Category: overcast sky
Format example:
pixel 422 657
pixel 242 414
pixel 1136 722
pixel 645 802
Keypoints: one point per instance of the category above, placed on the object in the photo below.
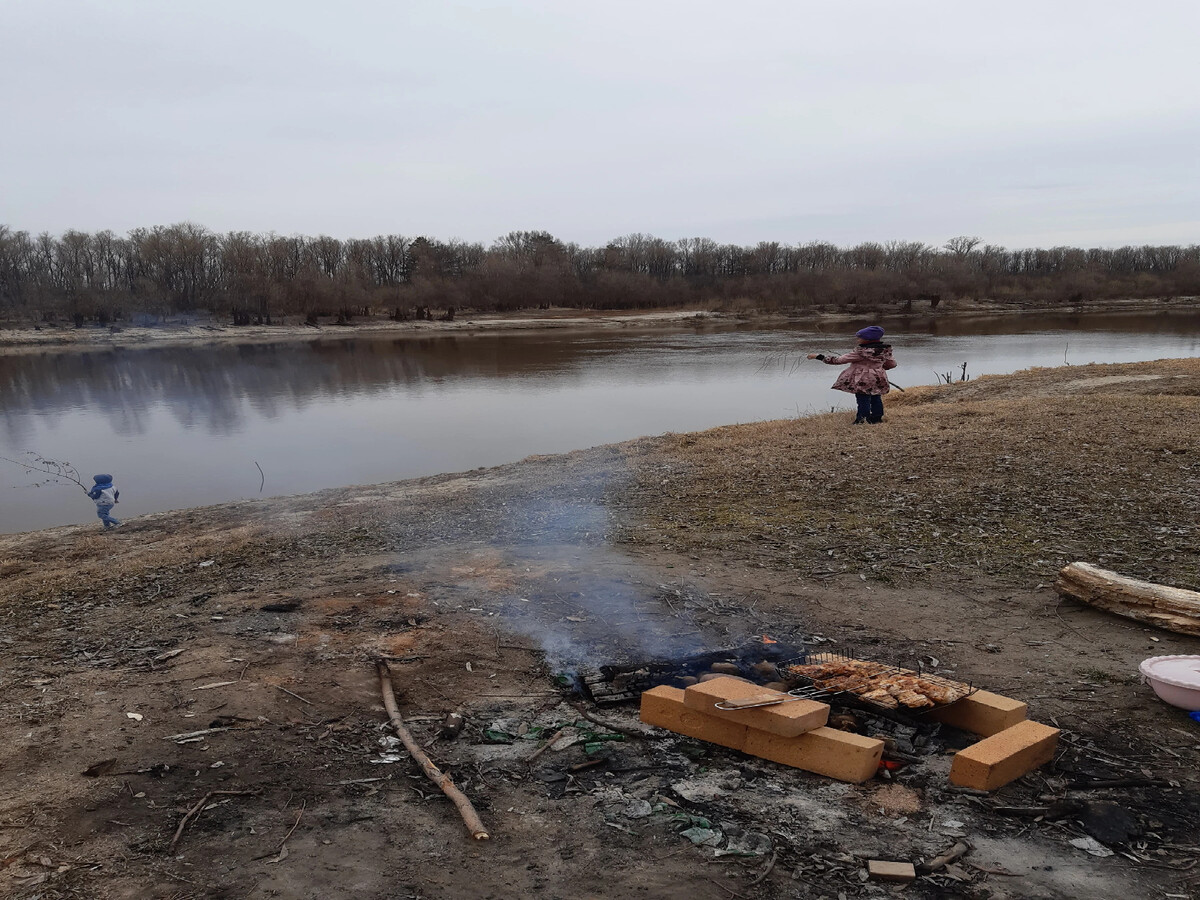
pixel 1028 124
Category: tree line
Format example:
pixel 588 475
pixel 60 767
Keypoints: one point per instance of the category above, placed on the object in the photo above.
pixel 152 273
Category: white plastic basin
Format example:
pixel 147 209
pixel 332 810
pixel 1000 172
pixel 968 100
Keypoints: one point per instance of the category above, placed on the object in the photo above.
pixel 1176 679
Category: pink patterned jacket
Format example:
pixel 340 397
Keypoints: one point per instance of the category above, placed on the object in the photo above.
pixel 867 366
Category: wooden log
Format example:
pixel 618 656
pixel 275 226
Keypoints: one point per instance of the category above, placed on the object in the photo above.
pixel 469 816
pixel 1174 609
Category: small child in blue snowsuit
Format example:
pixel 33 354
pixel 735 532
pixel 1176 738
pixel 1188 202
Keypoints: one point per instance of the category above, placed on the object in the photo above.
pixel 106 496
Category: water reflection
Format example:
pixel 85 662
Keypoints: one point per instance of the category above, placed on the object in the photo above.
pixel 185 426
pixel 218 387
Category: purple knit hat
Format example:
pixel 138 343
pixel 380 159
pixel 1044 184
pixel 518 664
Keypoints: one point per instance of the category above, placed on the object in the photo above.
pixel 870 333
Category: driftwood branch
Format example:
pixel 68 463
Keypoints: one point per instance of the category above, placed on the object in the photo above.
pixel 1174 609
pixel 469 816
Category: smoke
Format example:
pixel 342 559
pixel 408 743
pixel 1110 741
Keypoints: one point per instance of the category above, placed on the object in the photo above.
pixel 587 603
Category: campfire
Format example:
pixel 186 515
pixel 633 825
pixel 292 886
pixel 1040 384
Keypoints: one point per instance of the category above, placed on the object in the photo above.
pixel 843 680
pixel 829 712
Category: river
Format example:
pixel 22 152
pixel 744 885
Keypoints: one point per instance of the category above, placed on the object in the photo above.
pixel 191 426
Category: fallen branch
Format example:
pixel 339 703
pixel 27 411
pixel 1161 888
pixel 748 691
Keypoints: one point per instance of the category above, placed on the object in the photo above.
pixel 469 816
pixel 954 854
pixel 596 720
pixel 590 764
pixel 195 811
pixel 187 735
pixel 542 749
pixel 987 871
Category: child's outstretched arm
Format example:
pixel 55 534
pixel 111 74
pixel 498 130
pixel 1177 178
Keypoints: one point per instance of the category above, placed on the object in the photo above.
pixel 832 360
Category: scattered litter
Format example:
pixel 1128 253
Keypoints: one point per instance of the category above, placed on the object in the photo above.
pixel 637 809
pixel 137 717
pixel 386 759
pixel 703 837
pixel 740 842
pixel 215 684
pixel 1092 846
pixel 206 563
pixel 392 751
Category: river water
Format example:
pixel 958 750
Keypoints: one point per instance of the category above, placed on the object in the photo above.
pixel 183 427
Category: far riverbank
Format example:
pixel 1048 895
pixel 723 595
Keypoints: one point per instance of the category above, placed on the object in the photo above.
pixel 201 329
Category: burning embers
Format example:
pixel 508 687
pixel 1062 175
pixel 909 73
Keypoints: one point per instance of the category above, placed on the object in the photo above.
pixel 619 684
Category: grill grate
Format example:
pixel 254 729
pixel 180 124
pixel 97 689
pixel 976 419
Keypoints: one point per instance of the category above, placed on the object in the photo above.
pixel 850 688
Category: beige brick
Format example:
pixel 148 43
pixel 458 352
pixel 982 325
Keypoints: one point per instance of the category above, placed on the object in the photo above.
pixel 886 870
pixel 787 719
pixel 663 706
pixel 982 713
pixel 825 751
pixel 713 676
pixel 1005 756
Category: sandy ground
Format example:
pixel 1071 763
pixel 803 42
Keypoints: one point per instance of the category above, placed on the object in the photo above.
pixel 933 536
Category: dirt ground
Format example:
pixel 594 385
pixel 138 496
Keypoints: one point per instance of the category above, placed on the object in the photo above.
pixel 934 536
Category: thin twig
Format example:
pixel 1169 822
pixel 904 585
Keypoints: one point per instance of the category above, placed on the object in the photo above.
pixel 294 825
pixel 546 746
pixel 767 871
pixel 297 696
pixel 195 811
pixel 264 477
pixel 592 717
pixel 53 469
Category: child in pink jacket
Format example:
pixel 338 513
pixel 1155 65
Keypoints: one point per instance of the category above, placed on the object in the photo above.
pixel 865 378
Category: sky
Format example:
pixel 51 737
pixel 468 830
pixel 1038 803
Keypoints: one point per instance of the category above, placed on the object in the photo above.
pixel 1024 123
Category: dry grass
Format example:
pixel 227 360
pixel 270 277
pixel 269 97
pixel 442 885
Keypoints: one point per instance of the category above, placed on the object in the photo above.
pixel 1013 475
